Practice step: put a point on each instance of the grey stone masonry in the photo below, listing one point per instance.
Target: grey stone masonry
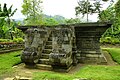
(64, 45)
(87, 41)
(62, 39)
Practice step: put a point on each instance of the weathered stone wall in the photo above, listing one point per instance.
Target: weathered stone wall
(35, 41)
(10, 46)
(70, 43)
(87, 41)
(62, 43)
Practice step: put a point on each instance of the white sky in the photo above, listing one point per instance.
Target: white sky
(65, 8)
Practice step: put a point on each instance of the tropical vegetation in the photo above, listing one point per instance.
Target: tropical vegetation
(111, 14)
(8, 26)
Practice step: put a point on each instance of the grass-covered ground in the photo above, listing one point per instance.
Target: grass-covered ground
(93, 72)
(7, 61)
(90, 72)
(115, 53)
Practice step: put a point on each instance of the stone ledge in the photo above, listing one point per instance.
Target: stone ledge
(6, 51)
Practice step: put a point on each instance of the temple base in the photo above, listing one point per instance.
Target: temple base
(92, 58)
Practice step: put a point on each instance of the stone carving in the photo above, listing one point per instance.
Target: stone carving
(35, 39)
(62, 47)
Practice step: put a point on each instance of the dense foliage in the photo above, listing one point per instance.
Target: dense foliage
(33, 12)
(53, 20)
(112, 13)
(8, 26)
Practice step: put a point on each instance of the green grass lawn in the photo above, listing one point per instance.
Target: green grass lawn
(7, 61)
(92, 72)
(115, 53)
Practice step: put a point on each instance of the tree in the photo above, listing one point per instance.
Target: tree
(33, 11)
(107, 15)
(86, 7)
(112, 13)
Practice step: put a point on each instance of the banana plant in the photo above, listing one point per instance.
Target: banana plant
(5, 15)
(8, 12)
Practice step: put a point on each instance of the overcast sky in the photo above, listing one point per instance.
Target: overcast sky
(65, 8)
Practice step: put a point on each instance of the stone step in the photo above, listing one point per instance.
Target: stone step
(48, 47)
(44, 61)
(50, 35)
(44, 67)
(49, 43)
(45, 56)
(50, 39)
(74, 49)
(47, 51)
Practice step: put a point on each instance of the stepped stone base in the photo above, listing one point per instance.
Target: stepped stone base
(63, 69)
(44, 67)
(63, 45)
(44, 61)
(49, 68)
(93, 59)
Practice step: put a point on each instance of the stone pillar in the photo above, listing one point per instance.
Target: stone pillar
(62, 47)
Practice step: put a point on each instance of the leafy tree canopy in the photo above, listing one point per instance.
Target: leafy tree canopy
(33, 11)
(89, 7)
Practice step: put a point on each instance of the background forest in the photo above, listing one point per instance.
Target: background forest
(32, 10)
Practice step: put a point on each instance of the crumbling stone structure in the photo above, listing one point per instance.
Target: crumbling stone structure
(62, 39)
(63, 45)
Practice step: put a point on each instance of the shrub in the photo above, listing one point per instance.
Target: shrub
(110, 40)
(5, 40)
(18, 40)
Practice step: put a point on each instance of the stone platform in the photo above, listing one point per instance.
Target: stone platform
(64, 45)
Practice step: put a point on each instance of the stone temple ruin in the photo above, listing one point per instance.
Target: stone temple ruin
(63, 45)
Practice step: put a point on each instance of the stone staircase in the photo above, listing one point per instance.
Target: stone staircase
(44, 62)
